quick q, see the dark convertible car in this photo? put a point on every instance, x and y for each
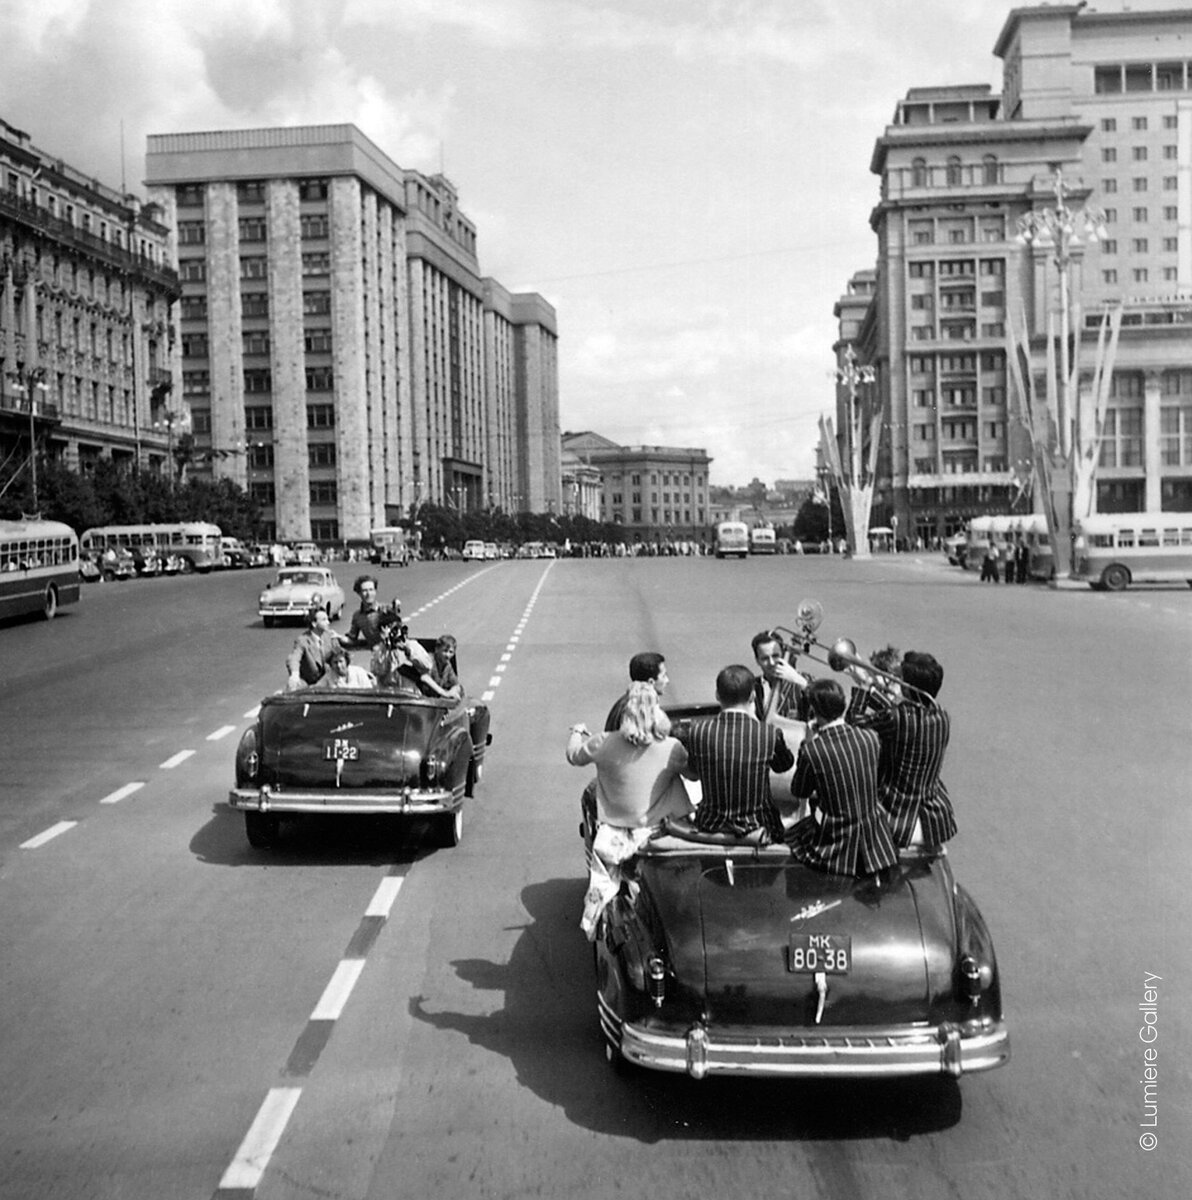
(338, 751)
(734, 959)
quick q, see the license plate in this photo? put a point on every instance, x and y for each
(831, 953)
(340, 750)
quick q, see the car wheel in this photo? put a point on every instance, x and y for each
(473, 778)
(268, 622)
(49, 607)
(1115, 577)
(450, 830)
(262, 829)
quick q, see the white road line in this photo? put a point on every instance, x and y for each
(261, 1140)
(48, 835)
(487, 696)
(221, 732)
(384, 896)
(336, 994)
(506, 657)
(252, 713)
(120, 793)
(180, 757)
(495, 681)
(499, 667)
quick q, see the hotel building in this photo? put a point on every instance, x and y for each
(1105, 99)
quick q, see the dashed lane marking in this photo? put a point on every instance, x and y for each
(122, 793)
(335, 995)
(221, 732)
(48, 835)
(252, 1158)
(176, 759)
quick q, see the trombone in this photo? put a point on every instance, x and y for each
(841, 655)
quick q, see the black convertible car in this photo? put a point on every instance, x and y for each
(719, 957)
(339, 751)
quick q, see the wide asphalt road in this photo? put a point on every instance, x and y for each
(358, 1015)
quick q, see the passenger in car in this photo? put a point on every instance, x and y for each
(307, 661)
(846, 832)
(365, 627)
(398, 661)
(441, 679)
(646, 667)
(778, 691)
(638, 785)
(732, 756)
(343, 673)
(914, 735)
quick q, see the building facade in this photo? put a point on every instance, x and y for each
(656, 493)
(1105, 101)
(340, 352)
(86, 332)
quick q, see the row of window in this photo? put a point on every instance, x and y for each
(956, 173)
(257, 380)
(1142, 275)
(255, 304)
(248, 191)
(311, 227)
(957, 268)
(957, 331)
(1112, 79)
(1139, 124)
(1140, 183)
(260, 416)
(1141, 214)
(1140, 245)
(1171, 153)
(959, 397)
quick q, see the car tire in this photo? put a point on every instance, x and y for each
(473, 778)
(450, 831)
(268, 622)
(49, 606)
(1115, 577)
(262, 829)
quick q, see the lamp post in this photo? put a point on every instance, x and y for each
(168, 419)
(26, 381)
(852, 375)
(1064, 427)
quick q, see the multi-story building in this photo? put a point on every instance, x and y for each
(1105, 100)
(654, 492)
(86, 334)
(341, 354)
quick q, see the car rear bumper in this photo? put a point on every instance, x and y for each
(946, 1049)
(414, 801)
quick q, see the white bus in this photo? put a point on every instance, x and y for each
(1114, 550)
(390, 545)
(1004, 531)
(39, 567)
(197, 544)
(732, 537)
(762, 540)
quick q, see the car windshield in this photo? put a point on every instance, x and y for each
(291, 577)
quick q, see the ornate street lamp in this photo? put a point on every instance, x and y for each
(26, 381)
(1065, 425)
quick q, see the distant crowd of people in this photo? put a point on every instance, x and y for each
(866, 767)
(1012, 560)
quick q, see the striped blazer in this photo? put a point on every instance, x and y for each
(788, 702)
(914, 737)
(732, 756)
(837, 769)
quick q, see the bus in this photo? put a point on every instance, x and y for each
(762, 540)
(1004, 531)
(1114, 550)
(39, 567)
(389, 546)
(197, 544)
(732, 537)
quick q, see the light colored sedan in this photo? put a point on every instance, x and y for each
(297, 590)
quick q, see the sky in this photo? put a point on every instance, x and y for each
(686, 181)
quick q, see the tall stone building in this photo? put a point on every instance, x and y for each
(85, 325)
(1105, 100)
(341, 354)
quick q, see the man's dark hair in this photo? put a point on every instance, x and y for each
(363, 579)
(826, 698)
(645, 667)
(922, 672)
(760, 639)
(734, 685)
(312, 615)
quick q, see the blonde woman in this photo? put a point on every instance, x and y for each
(638, 783)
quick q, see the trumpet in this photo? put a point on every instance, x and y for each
(841, 655)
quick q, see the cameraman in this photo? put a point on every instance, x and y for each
(364, 630)
(397, 660)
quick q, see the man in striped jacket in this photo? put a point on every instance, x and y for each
(837, 772)
(914, 735)
(732, 756)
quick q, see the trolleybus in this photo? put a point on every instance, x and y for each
(39, 567)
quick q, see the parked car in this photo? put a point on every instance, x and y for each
(730, 958)
(117, 563)
(259, 555)
(297, 590)
(529, 550)
(147, 561)
(954, 549)
(89, 571)
(474, 550)
(235, 553)
(330, 752)
(303, 554)
(491, 553)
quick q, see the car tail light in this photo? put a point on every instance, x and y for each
(435, 767)
(975, 978)
(656, 978)
(248, 759)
